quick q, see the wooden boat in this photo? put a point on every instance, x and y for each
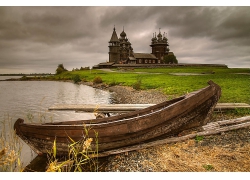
(155, 122)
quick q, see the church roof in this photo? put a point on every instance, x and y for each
(106, 63)
(131, 58)
(144, 56)
(114, 37)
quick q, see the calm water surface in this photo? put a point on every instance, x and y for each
(30, 101)
(9, 77)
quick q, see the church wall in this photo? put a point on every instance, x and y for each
(114, 54)
(119, 53)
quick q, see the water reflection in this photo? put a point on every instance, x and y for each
(9, 77)
(22, 98)
(30, 101)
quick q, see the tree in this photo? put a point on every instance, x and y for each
(170, 59)
(60, 69)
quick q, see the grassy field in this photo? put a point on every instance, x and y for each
(174, 81)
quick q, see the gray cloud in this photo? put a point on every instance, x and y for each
(37, 39)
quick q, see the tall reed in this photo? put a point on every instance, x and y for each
(81, 157)
(10, 148)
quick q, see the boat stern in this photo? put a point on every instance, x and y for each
(17, 126)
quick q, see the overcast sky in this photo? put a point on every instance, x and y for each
(37, 39)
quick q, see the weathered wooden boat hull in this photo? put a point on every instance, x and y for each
(161, 120)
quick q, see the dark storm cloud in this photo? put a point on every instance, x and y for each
(46, 24)
(217, 23)
(36, 39)
(235, 27)
(47, 36)
(187, 22)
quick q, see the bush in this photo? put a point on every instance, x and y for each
(24, 78)
(97, 80)
(199, 138)
(113, 83)
(137, 84)
(208, 167)
(76, 78)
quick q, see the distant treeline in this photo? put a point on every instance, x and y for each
(32, 74)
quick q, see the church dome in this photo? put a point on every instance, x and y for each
(154, 39)
(123, 34)
(159, 35)
(165, 39)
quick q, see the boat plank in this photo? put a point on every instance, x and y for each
(205, 132)
(128, 107)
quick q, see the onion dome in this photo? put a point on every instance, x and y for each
(154, 39)
(123, 34)
(159, 36)
(164, 38)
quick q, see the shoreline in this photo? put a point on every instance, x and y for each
(125, 94)
(226, 145)
(128, 95)
(224, 152)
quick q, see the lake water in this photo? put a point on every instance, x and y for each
(9, 77)
(30, 101)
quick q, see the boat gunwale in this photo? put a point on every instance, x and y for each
(213, 93)
(135, 117)
(132, 114)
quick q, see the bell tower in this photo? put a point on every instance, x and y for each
(114, 48)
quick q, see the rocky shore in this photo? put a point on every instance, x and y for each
(225, 152)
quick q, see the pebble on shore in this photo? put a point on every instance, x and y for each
(225, 152)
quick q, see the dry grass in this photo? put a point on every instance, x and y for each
(191, 156)
(10, 148)
(79, 156)
(224, 152)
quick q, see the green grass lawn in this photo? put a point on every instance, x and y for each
(235, 86)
